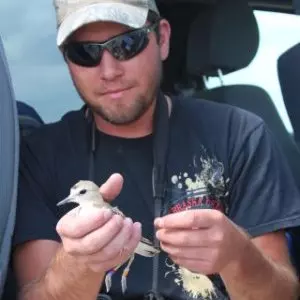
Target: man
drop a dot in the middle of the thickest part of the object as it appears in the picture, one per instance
(212, 172)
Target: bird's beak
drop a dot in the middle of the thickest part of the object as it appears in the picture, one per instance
(66, 200)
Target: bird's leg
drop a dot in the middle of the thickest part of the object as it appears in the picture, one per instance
(108, 277)
(125, 273)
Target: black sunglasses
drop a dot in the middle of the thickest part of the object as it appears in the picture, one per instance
(122, 47)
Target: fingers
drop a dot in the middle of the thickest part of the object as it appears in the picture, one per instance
(188, 252)
(75, 227)
(195, 265)
(135, 237)
(98, 262)
(188, 238)
(96, 240)
(116, 245)
(112, 187)
(189, 219)
(125, 245)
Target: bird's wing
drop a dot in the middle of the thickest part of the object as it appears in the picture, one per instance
(97, 205)
(116, 211)
(146, 248)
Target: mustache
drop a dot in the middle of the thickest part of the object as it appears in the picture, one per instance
(120, 86)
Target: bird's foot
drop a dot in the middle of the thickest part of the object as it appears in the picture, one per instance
(125, 274)
(108, 280)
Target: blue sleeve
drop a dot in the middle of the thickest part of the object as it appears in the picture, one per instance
(263, 195)
(25, 109)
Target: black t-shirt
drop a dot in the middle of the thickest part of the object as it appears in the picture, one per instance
(220, 157)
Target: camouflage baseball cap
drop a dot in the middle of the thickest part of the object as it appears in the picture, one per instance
(73, 14)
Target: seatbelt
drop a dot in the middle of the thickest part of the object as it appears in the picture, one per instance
(9, 160)
(160, 152)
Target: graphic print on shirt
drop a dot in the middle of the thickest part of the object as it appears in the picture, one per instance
(204, 188)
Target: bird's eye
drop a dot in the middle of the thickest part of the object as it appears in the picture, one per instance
(82, 192)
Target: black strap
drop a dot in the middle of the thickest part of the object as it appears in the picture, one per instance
(91, 169)
(160, 152)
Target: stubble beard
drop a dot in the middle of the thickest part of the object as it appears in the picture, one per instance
(124, 115)
(128, 115)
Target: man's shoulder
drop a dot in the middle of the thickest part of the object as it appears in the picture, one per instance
(57, 130)
(220, 115)
(54, 137)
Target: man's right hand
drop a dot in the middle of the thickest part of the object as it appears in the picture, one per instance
(97, 238)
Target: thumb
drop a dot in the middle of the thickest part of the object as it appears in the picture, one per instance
(112, 187)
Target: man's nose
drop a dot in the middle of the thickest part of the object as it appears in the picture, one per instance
(110, 67)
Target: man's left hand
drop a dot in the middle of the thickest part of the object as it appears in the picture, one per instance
(201, 240)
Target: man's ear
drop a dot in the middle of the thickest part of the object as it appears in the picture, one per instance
(164, 38)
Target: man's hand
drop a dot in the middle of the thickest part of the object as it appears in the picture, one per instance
(203, 241)
(97, 238)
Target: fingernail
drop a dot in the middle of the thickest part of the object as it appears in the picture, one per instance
(119, 219)
(158, 222)
(158, 234)
(107, 214)
(138, 225)
(128, 221)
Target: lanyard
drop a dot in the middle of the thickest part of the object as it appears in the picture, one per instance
(160, 150)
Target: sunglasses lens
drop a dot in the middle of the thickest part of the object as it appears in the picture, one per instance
(128, 45)
(122, 47)
(84, 54)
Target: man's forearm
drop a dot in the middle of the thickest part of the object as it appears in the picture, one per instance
(65, 279)
(256, 277)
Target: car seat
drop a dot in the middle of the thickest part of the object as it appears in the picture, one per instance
(288, 75)
(223, 39)
(9, 159)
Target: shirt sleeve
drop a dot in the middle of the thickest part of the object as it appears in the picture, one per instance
(263, 195)
(35, 215)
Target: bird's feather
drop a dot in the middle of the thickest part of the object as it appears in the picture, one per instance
(86, 194)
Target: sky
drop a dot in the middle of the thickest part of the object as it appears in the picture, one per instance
(39, 75)
(41, 78)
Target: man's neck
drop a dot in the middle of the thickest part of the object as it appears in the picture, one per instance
(140, 128)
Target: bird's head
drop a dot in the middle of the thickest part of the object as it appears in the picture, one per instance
(82, 192)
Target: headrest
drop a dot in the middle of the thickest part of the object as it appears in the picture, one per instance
(223, 36)
(180, 14)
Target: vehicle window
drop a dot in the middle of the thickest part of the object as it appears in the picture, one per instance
(278, 32)
(39, 75)
(41, 78)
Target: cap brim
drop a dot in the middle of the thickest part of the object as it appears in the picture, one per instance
(125, 14)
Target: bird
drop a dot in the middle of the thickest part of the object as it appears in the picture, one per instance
(86, 194)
